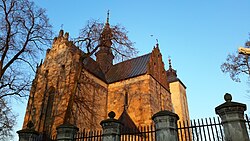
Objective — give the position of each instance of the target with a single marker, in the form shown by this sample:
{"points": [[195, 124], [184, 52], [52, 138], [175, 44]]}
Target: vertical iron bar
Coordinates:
{"points": [[199, 125], [184, 127], [196, 132], [192, 130], [247, 120], [217, 134], [83, 134], [152, 132], [141, 134], [222, 136], [208, 129], [153, 135], [204, 131], [212, 128], [188, 129], [148, 133], [180, 130]]}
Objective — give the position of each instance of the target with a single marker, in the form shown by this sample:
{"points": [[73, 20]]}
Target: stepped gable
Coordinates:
{"points": [[156, 67], [128, 69], [150, 63]]}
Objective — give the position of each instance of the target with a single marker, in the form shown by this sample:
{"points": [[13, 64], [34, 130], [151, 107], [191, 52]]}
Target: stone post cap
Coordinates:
{"points": [[71, 126], [230, 104], [29, 129], [165, 113], [111, 118]]}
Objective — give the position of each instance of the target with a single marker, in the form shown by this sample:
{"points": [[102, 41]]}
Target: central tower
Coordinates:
{"points": [[104, 56]]}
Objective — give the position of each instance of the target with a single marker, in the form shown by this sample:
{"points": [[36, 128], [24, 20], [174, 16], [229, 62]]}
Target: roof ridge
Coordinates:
{"points": [[133, 58]]}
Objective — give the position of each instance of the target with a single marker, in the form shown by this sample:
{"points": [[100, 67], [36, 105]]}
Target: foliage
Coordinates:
{"points": [[24, 30]]}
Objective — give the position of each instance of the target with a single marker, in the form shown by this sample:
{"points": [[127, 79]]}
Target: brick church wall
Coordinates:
{"points": [[62, 76], [53, 86], [143, 98]]}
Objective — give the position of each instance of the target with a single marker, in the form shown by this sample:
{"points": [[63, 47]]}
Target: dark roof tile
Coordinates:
{"points": [[128, 69], [93, 67], [128, 125]]}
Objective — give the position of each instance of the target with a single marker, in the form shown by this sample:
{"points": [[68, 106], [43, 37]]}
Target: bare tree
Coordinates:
{"points": [[237, 64], [7, 121], [90, 35], [24, 30]]}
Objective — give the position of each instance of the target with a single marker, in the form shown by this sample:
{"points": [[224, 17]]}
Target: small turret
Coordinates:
{"points": [[171, 73]]}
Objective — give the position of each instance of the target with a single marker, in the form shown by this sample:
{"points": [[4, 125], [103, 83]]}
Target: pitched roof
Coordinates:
{"points": [[128, 125], [120, 71], [93, 67], [128, 69]]}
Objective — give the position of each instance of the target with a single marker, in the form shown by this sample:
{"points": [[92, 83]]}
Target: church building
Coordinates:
{"points": [[70, 88]]}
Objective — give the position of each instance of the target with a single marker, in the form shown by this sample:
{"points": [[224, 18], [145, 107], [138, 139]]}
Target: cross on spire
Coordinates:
{"points": [[169, 63], [107, 17]]}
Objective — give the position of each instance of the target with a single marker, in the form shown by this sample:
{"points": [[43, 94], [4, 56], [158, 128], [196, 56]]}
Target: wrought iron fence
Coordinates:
{"points": [[43, 137], [208, 129], [247, 124], [88, 135], [195, 130], [146, 133]]}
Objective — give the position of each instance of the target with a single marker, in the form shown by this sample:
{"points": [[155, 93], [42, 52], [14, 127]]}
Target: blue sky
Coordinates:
{"points": [[197, 34]]}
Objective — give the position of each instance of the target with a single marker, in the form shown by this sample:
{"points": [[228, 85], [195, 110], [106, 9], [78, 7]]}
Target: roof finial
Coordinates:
{"points": [[157, 43], [61, 26], [169, 63], [107, 17]]}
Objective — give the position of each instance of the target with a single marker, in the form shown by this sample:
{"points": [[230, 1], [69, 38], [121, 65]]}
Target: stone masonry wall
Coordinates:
{"points": [[55, 83], [91, 102], [179, 100], [143, 98]]}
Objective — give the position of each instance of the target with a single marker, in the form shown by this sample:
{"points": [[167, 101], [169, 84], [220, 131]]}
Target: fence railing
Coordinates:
{"points": [[87, 135], [146, 133], [208, 129], [44, 137], [201, 130]]}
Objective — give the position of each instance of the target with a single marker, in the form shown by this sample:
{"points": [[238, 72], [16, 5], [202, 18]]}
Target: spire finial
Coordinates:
{"points": [[107, 17], [157, 43], [169, 63]]}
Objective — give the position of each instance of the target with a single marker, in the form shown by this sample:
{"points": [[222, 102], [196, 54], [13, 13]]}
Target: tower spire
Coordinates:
{"points": [[104, 56], [171, 73]]}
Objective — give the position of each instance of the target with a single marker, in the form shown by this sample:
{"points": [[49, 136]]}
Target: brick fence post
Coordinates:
{"points": [[232, 117], [111, 128], [166, 126], [28, 134], [66, 132]]}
